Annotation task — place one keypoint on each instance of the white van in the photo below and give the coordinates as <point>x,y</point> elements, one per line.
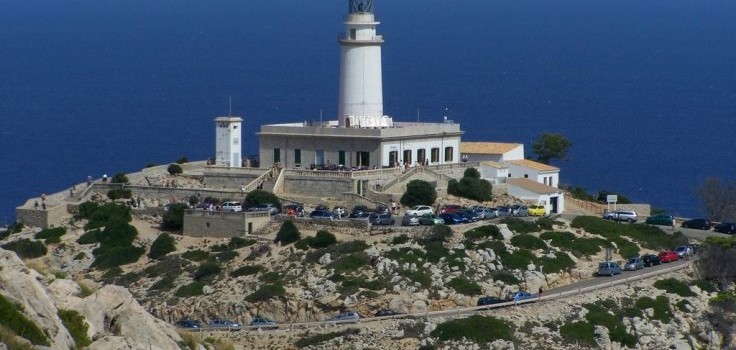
<point>232,206</point>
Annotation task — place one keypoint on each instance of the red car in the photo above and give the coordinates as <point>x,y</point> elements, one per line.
<point>668,256</point>
<point>451,208</point>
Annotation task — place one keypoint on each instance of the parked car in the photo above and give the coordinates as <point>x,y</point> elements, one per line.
<point>660,219</point>
<point>381,219</point>
<point>490,213</point>
<point>267,207</point>
<point>451,208</point>
<point>634,264</point>
<point>419,210</point>
<point>294,210</point>
<point>363,216</point>
<point>668,256</point>
<point>222,323</point>
<point>684,251</point>
<point>480,211</point>
<point>650,260</point>
<point>725,227</point>
<point>322,214</point>
<point>232,206</point>
<point>430,219</point>
<point>608,268</point>
<point>699,223</point>
<point>263,323</point>
<point>490,301</point>
<point>537,210</point>
<point>621,215</point>
<point>386,312</point>
<point>346,317</point>
<point>357,210</point>
<point>469,215</point>
<point>503,212</point>
<point>188,324</point>
<point>519,210</point>
<point>522,295</point>
<point>452,218</point>
<point>410,220</point>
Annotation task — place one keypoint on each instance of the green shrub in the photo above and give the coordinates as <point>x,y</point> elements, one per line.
<point>498,247</point>
<point>417,276</point>
<point>465,286</point>
<point>173,218</point>
<point>174,169</point>
<point>683,305</point>
<point>578,333</point>
<point>116,246</point>
<point>483,232</point>
<point>219,247</point>
<point>598,315</point>
<point>405,255</point>
<point>182,160</point>
<point>675,286</point>
<point>471,186</point>
<point>26,248</point>
<point>119,193</point>
<point>561,262</point>
<point>558,239</point>
<point>127,279</point>
<point>418,192</point>
<point>80,256</point>
<point>165,283</point>
<point>505,277</point>
<point>519,259</point>
<point>321,338</point>
<point>207,271</point>
<point>350,262</point>
<point>660,305</point>
<point>89,237</point>
<point>196,255</point>
<point>77,327</point>
<point>527,241</point>
<point>228,255</point>
<point>587,246</point>
<point>104,215</point>
<point>13,318</point>
<point>704,285</point>
<point>323,239</point>
<point>170,265</point>
<point>648,236</point>
<point>304,243</point>
<point>520,226</point>
<point>119,178</point>
<point>271,277</point>
<point>545,223</point>
<point>438,233</point>
<point>626,248</point>
<point>477,329</point>
<point>51,233</point>
<point>246,270</point>
<point>239,242</point>
<point>400,239</point>
<point>256,197</point>
<point>190,290</point>
<point>287,234</point>
<point>164,244</point>
<point>435,251</point>
<point>266,292</point>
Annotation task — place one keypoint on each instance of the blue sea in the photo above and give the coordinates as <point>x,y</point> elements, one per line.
<point>645,90</point>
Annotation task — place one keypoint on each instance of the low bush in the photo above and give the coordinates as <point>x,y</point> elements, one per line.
<point>498,247</point>
<point>483,232</point>
<point>174,169</point>
<point>351,285</point>
<point>287,234</point>
<point>351,262</point>
<point>12,317</point>
<point>196,255</point>
<point>435,251</point>
<point>438,233</point>
<point>648,236</point>
<point>599,315</point>
<point>561,262</point>
<point>520,226</point>
<point>207,271</point>
<point>528,241</point>
<point>465,286</point>
<point>119,193</point>
<point>304,243</point>
<point>246,270</point>
<point>190,290</point>
<point>675,286</point>
<point>89,237</point>
<point>323,239</point>
<point>519,259</point>
<point>626,248</point>
<point>165,283</point>
<point>400,239</point>
<point>74,323</point>
<point>170,265</point>
<point>417,276</point>
<point>578,333</point>
<point>684,305</point>
<point>405,255</point>
<point>239,242</point>
<point>107,257</point>
<point>266,292</point>
<point>471,186</point>
<point>173,218</point>
<point>80,256</point>
<point>51,233</point>
<point>660,305</point>
<point>228,255</point>
<point>26,248</point>
<point>704,285</point>
<point>321,338</point>
<point>505,277</point>
<point>477,329</point>
<point>546,223</point>
<point>119,178</point>
<point>270,277</point>
<point>164,244</point>
<point>558,239</point>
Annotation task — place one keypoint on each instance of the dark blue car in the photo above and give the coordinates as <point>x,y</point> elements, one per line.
<point>452,218</point>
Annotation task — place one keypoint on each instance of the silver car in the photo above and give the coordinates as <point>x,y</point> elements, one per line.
<point>634,264</point>
<point>410,220</point>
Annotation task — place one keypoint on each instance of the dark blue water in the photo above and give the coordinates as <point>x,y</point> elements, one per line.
<point>645,90</point>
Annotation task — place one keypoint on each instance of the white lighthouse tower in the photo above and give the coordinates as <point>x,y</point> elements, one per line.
<point>228,144</point>
<point>361,82</point>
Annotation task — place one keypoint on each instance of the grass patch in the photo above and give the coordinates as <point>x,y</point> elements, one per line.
<point>521,226</point>
<point>196,255</point>
<point>464,286</point>
<point>660,305</point>
<point>478,329</point>
<point>519,259</point>
<point>165,283</point>
<point>246,270</point>
<point>675,286</point>
<point>190,290</point>
<point>483,232</point>
<point>405,255</point>
<point>349,263</point>
<point>600,315</point>
<point>51,235</point>
<point>704,285</point>
<point>417,276</point>
<point>12,317</point>
<point>505,277</point>
<point>321,338</point>
<point>270,277</point>
<point>498,247</point>
<point>400,239</point>
<point>578,333</point>
<point>561,262</point>
<point>207,272</point>
<point>74,322</point>
<point>528,241</point>
<point>266,292</point>
<point>648,236</point>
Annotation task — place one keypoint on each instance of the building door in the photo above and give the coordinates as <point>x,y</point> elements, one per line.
<point>421,155</point>
<point>407,156</point>
<point>364,159</point>
<point>319,157</point>
<point>393,158</point>
<point>553,203</point>
<point>341,158</point>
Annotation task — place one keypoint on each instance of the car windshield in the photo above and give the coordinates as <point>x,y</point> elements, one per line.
<point>603,265</point>
<point>632,260</point>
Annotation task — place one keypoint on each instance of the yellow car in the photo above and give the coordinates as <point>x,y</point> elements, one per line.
<point>537,210</point>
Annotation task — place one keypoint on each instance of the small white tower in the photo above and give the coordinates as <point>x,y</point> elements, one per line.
<point>228,144</point>
<point>361,82</point>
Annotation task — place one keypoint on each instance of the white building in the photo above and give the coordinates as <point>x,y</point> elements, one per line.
<point>550,197</point>
<point>228,145</point>
<point>494,172</point>
<point>491,151</point>
<point>535,171</point>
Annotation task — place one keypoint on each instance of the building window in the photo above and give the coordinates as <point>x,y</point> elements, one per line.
<point>341,158</point>
<point>364,159</point>
<point>421,155</point>
<point>448,154</point>
<point>352,33</point>
<point>277,155</point>
<point>526,176</point>
<point>435,155</point>
<point>298,156</point>
<point>393,158</point>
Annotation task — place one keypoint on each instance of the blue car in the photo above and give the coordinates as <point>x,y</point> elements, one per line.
<point>452,218</point>
<point>522,295</point>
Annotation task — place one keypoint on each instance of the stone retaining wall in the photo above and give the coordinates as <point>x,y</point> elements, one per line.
<point>318,187</point>
<point>223,225</point>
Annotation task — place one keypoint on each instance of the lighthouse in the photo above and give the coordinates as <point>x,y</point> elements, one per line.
<point>361,82</point>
